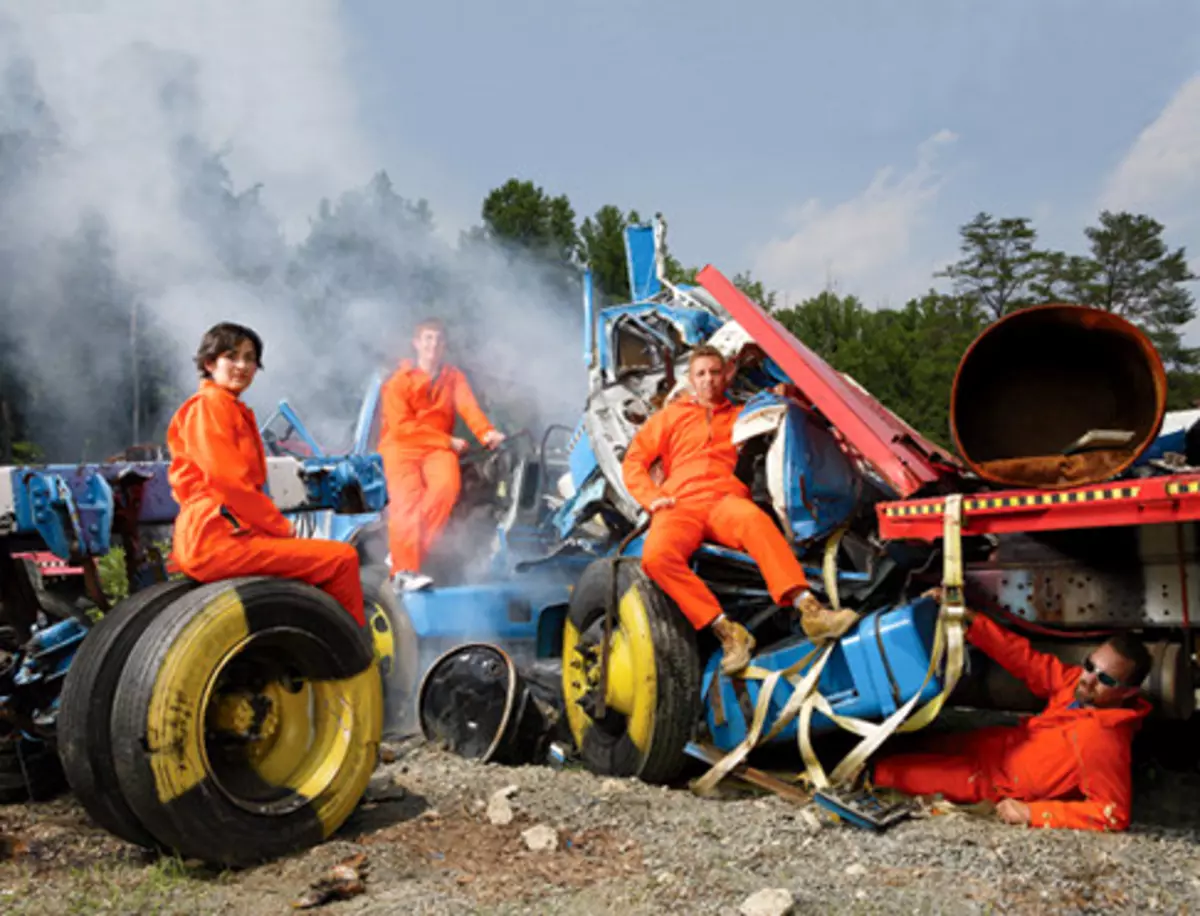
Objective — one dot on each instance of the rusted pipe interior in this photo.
(1035, 382)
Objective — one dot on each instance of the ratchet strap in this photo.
(948, 646)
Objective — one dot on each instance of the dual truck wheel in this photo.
(233, 722)
(652, 699)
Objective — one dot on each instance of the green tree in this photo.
(999, 263)
(755, 290)
(521, 213)
(602, 247)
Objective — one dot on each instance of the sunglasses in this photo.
(1102, 676)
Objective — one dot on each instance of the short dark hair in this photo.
(225, 338)
(1131, 648)
(705, 350)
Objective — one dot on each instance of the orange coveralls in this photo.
(227, 526)
(699, 457)
(423, 478)
(1071, 766)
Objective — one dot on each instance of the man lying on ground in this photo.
(1069, 766)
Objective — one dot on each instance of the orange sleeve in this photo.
(398, 418)
(468, 408)
(1107, 788)
(1042, 673)
(645, 448)
(205, 431)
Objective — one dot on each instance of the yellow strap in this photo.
(806, 699)
(948, 640)
(829, 567)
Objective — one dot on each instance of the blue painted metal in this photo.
(44, 661)
(589, 321)
(507, 613)
(873, 670)
(1172, 437)
(343, 484)
(365, 430)
(640, 258)
(582, 459)
(70, 508)
(285, 409)
(695, 325)
(821, 487)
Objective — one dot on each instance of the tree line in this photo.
(907, 356)
(373, 241)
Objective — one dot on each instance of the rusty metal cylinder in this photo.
(1033, 386)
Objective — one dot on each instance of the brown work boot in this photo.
(736, 644)
(821, 623)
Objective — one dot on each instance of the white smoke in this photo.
(130, 100)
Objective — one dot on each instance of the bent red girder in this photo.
(907, 461)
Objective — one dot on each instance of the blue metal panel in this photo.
(695, 325)
(640, 259)
(857, 680)
(589, 320)
(820, 486)
(503, 613)
(582, 460)
(367, 416)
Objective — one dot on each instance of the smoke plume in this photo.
(163, 168)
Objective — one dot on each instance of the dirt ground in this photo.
(429, 845)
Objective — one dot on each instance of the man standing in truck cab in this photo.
(418, 404)
(700, 498)
(1069, 766)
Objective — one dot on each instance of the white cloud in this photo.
(1160, 174)
(866, 244)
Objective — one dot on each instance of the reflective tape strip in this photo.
(1034, 499)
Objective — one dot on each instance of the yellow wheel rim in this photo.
(632, 685)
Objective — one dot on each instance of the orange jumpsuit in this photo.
(227, 526)
(1070, 765)
(423, 481)
(699, 457)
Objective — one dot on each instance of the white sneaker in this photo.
(405, 581)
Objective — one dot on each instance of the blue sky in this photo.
(807, 141)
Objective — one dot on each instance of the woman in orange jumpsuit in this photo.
(1069, 766)
(227, 526)
(700, 497)
(420, 453)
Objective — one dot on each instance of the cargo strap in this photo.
(806, 699)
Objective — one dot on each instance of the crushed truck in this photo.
(1068, 512)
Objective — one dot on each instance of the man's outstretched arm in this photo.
(1042, 673)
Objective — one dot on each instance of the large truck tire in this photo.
(396, 651)
(248, 720)
(85, 742)
(653, 692)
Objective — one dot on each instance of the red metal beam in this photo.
(1148, 501)
(898, 452)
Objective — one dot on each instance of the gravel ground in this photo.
(626, 848)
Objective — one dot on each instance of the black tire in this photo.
(84, 738)
(29, 770)
(661, 637)
(280, 652)
(396, 650)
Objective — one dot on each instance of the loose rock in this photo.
(774, 901)
(540, 838)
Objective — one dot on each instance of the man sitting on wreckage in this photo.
(1068, 766)
(701, 498)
